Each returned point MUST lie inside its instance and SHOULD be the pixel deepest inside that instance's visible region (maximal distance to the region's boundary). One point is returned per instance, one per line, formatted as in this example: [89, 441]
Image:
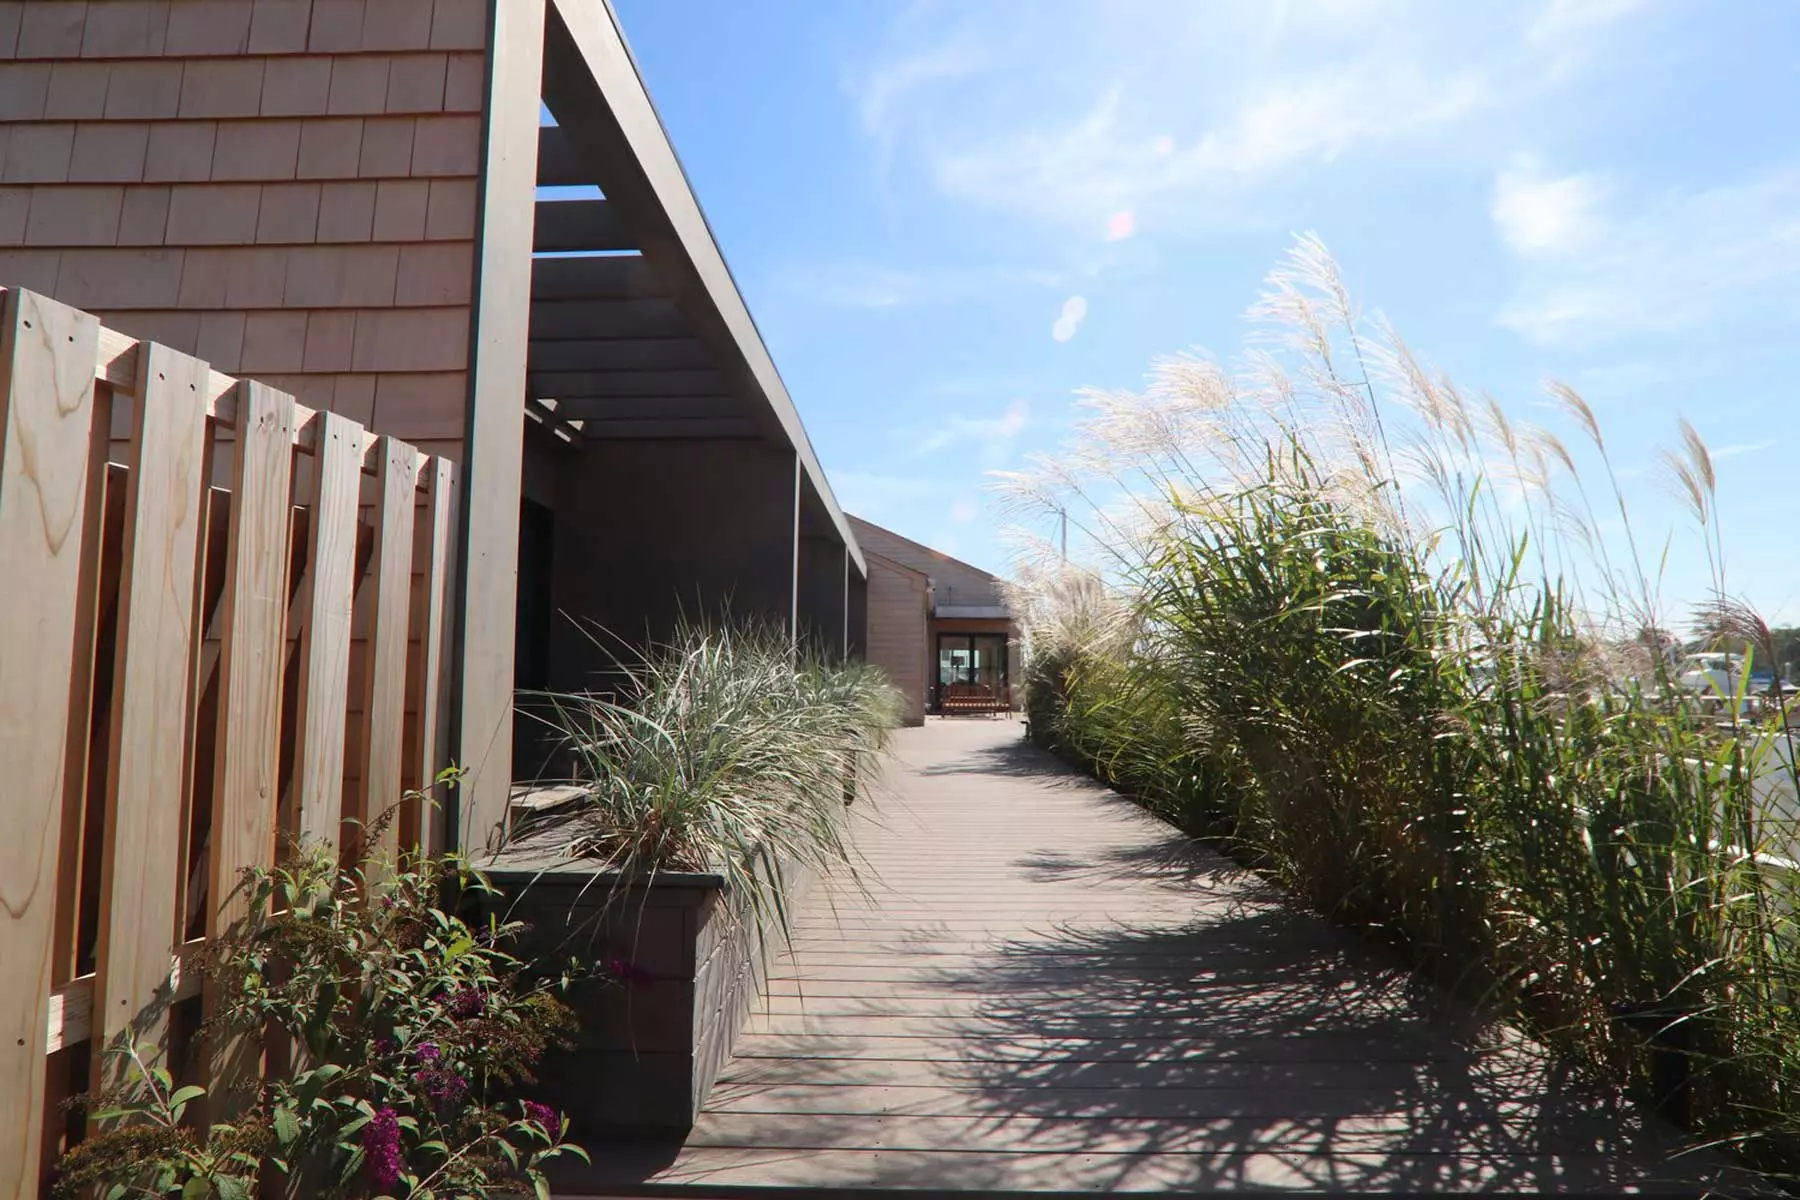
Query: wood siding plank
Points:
[48, 353]
[147, 772]
[324, 690]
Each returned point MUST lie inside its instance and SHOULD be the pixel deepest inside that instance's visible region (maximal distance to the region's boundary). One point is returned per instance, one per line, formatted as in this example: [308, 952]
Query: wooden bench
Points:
[972, 699]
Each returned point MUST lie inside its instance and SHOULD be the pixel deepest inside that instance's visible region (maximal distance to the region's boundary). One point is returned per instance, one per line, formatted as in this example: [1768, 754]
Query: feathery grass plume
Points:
[719, 750]
[1418, 688]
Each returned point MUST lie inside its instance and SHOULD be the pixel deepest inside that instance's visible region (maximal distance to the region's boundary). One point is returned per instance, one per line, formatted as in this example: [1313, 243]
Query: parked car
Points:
[1713, 676]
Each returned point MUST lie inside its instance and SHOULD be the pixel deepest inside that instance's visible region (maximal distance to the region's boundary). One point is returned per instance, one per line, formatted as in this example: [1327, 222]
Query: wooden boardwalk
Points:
[1044, 990]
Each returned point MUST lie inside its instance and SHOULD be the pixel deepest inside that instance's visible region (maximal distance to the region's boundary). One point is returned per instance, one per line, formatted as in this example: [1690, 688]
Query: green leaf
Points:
[542, 1186]
[287, 1126]
[230, 1187]
[187, 1094]
[196, 1189]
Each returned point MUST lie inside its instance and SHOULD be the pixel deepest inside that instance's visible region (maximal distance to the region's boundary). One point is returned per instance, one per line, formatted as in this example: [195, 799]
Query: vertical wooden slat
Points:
[440, 519]
[247, 745]
[384, 682]
[325, 641]
[48, 354]
[152, 680]
[103, 487]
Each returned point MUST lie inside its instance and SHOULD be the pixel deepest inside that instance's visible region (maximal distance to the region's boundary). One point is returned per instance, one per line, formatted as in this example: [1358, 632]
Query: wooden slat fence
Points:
[222, 624]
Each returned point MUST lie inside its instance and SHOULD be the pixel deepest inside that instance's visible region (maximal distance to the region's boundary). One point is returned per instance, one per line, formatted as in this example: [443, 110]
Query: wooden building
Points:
[343, 199]
[940, 627]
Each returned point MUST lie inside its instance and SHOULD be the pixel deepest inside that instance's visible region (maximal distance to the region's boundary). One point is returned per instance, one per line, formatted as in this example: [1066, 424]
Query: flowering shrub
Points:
[404, 1025]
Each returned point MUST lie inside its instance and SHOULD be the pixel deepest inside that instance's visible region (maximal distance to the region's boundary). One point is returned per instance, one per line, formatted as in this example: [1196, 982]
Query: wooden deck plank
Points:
[1011, 1171]
[1039, 988]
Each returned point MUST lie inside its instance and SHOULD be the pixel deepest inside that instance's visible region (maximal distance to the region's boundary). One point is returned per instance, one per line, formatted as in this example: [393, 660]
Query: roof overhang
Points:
[660, 345]
[972, 612]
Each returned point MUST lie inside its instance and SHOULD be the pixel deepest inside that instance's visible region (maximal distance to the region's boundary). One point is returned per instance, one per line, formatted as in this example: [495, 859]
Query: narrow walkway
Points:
[1045, 990]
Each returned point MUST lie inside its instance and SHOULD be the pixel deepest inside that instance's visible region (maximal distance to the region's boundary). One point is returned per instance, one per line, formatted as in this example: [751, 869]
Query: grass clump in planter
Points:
[722, 750]
[1376, 636]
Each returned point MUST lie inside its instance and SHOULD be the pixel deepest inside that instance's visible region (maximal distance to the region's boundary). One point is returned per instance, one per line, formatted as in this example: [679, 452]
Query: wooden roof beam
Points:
[635, 354]
[590, 320]
[644, 408]
[566, 384]
[560, 164]
[699, 427]
[614, 277]
[572, 225]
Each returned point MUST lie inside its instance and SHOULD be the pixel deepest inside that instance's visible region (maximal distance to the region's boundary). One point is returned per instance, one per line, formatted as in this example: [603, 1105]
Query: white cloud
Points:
[993, 435]
[872, 494]
[964, 509]
[883, 92]
[856, 284]
[1074, 312]
[1673, 263]
[848, 283]
[1737, 448]
[1560, 19]
[1536, 215]
[1194, 115]
[1120, 225]
[1099, 164]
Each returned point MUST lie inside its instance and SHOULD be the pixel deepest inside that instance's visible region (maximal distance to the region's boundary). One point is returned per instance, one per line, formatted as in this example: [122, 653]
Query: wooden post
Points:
[493, 472]
[47, 357]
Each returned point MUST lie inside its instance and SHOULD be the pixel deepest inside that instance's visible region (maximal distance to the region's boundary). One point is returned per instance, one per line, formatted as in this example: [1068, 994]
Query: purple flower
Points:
[626, 970]
[381, 1149]
[428, 1053]
[443, 1086]
[545, 1116]
[466, 1003]
[382, 1046]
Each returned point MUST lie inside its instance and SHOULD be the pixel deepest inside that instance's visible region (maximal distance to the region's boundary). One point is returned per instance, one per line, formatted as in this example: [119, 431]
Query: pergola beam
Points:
[560, 164]
[638, 354]
[699, 427]
[587, 320]
[574, 225]
[613, 277]
[564, 384]
[594, 87]
[644, 408]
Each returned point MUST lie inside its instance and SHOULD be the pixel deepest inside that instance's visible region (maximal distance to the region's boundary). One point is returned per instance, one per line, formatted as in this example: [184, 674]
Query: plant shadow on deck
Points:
[1206, 1057]
[1242, 1045]
[1015, 758]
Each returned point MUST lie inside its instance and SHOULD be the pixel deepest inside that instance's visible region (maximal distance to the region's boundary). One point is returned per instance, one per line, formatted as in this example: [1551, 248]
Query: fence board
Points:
[145, 638]
[440, 518]
[46, 437]
[247, 745]
[384, 679]
[325, 639]
[140, 872]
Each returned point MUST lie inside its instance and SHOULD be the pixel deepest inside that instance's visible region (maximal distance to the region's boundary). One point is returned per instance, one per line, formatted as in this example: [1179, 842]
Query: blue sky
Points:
[948, 216]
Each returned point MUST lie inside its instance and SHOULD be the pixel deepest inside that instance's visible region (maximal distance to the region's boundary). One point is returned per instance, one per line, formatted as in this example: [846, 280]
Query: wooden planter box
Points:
[680, 963]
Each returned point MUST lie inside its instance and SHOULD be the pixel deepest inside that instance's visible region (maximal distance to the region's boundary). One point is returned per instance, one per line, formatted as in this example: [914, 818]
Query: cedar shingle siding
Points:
[896, 642]
[285, 188]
